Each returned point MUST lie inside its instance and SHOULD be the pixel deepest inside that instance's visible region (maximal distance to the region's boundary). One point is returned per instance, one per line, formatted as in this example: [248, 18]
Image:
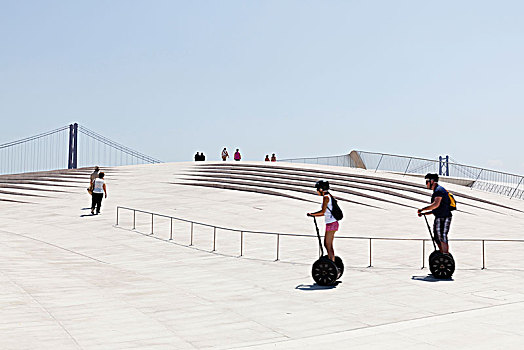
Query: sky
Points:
[296, 78]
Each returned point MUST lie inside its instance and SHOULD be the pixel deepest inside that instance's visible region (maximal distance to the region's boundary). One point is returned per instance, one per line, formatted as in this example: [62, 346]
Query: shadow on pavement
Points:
[315, 286]
[430, 278]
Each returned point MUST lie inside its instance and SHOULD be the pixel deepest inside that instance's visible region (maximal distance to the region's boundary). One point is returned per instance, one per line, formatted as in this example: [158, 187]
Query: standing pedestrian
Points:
[267, 158]
[197, 157]
[225, 155]
[440, 207]
[94, 175]
[273, 158]
[99, 189]
[237, 156]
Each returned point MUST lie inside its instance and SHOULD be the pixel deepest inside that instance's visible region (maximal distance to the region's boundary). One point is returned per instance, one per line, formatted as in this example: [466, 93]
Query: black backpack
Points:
[336, 212]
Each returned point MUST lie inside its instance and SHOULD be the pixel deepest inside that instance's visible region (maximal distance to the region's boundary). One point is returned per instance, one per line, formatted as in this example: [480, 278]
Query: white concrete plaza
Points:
[75, 281]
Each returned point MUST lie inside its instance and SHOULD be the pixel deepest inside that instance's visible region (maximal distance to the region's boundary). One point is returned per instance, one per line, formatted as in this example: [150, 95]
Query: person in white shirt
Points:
[99, 190]
[225, 155]
[326, 211]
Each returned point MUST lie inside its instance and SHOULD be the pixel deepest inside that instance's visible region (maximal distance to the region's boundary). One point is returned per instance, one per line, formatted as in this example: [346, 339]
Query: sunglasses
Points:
[428, 181]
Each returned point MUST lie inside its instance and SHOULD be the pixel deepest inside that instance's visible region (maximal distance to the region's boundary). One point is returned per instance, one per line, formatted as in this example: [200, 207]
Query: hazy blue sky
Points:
[298, 78]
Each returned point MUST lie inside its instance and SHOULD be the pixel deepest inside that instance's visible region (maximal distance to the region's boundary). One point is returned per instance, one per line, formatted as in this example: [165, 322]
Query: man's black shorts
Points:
[441, 229]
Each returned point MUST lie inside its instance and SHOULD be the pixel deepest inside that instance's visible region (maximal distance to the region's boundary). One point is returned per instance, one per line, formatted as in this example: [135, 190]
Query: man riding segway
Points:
[440, 207]
[441, 262]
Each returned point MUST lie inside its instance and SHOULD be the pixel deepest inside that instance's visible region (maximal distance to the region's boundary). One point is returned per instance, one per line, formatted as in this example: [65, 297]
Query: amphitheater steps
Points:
[402, 193]
[339, 185]
[43, 184]
[378, 181]
[300, 186]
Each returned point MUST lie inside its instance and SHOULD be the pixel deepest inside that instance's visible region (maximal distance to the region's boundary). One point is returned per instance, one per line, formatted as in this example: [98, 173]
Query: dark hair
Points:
[101, 175]
[431, 176]
[322, 185]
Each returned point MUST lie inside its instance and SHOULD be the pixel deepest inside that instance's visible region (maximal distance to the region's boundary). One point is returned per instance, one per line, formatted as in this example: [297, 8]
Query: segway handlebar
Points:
[431, 234]
[318, 235]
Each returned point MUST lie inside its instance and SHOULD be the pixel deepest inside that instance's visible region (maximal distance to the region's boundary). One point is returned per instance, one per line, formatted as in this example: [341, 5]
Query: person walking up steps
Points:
[99, 189]
[440, 207]
[94, 176]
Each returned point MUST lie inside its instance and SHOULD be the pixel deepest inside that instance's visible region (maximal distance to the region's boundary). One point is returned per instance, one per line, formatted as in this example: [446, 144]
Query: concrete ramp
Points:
[75, 281]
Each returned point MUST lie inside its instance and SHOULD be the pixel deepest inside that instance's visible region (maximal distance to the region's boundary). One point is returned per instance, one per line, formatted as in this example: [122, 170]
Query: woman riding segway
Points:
[327, 211]
[328, 268]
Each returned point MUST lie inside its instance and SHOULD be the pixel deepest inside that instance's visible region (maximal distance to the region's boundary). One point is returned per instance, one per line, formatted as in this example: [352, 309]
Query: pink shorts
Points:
[332, 226]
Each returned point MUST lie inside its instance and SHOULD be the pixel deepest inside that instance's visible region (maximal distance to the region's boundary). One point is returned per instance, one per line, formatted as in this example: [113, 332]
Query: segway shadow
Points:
[325, 272]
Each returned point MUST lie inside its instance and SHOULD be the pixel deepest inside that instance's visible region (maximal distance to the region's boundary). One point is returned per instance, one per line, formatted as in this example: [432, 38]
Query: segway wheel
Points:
[441, 265]
[324, 271]
[433, 254]
[340, 266]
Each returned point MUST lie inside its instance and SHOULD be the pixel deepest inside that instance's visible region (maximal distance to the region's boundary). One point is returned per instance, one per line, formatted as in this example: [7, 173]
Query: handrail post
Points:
[379, 162]
[405, 172]
[191, 242]
[117, 215]
[171, 231]
[241, 242]
[483, 256]
[152, 219]
[516, 187]
[214, 238]
[370, 265]
[423, 253]
[473, 183]
[278, 245]
[134, 219]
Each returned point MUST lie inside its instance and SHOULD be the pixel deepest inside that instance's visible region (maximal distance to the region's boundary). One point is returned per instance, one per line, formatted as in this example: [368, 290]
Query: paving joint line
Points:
[54, 245]
[387, 324]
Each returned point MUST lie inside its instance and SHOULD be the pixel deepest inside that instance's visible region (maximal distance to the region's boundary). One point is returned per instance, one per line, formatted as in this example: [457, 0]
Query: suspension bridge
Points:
[68, 147]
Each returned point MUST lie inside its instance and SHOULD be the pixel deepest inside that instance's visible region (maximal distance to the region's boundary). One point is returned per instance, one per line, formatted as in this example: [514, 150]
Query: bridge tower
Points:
[72, 160]
[443, 166]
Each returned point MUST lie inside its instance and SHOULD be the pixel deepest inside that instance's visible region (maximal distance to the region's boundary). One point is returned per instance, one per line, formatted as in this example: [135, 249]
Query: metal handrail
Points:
[278, 234]
[497, 180]
[400, 156]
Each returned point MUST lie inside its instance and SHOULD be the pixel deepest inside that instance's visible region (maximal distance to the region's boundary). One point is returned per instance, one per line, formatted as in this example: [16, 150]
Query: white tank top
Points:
[98, 186]
[327, 214]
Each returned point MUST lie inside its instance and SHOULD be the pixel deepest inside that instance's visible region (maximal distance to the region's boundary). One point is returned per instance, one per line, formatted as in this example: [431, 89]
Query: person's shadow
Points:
[314, 286]
[84, 215]
[430, 278]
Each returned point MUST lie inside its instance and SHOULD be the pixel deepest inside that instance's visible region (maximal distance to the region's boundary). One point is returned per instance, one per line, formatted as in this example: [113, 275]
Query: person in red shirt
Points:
[237, 156]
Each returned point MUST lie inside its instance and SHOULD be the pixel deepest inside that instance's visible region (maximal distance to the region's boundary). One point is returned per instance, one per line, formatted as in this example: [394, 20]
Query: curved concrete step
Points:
[382, 182]
[306, 182]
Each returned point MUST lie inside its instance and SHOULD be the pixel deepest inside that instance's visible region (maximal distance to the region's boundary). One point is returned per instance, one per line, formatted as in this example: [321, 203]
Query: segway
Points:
[325, 272]
[441, 265]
